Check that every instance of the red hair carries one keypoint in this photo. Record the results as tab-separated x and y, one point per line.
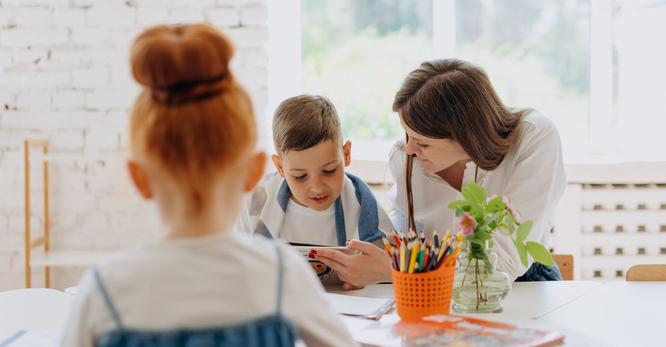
192	117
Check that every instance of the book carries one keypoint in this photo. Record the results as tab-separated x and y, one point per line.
358	306
453	330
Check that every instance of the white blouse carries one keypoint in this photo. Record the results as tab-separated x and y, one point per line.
531	175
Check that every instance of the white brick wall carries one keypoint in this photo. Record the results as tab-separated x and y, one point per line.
64	76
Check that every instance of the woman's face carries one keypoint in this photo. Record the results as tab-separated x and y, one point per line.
435	154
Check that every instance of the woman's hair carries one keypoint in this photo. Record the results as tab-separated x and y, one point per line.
191	117
453	99
304	121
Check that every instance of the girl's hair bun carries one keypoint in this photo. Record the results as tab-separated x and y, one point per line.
182	63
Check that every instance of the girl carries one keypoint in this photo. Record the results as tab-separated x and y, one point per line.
192	135
459	131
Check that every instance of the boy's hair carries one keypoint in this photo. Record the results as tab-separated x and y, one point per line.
192	117
304	121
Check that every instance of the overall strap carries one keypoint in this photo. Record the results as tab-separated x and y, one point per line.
280	276
107	298
283	195
368	222
262	230
340	228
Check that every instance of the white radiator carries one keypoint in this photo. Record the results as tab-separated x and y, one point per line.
609	227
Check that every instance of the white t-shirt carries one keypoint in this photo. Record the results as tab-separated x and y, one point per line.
531	175
305	225
218	280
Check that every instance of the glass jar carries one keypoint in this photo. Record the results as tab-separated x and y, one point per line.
479	287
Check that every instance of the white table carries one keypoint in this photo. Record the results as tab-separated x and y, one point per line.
618	314
526	304
43	312
34	308
587	313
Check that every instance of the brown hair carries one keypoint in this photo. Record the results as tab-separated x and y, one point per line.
453	99
191	116
304	121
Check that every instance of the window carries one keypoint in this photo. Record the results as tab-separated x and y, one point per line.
638	58
537	55
595	67
359	60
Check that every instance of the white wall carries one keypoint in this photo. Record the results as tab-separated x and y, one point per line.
65	77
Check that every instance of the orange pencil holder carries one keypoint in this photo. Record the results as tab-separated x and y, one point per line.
418	295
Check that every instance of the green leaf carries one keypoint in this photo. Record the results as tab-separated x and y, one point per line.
480	220
476	211
457	204
539	253
475	240
483	237
474	193
524	230
511	223
522	252
495	205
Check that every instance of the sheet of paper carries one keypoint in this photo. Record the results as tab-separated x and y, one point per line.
32	338
359	306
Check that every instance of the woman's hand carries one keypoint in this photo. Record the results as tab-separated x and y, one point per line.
371	265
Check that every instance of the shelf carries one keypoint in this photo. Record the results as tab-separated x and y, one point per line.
69	258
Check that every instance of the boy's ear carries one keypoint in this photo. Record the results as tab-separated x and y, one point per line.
140	179
256	172
346	152
277	161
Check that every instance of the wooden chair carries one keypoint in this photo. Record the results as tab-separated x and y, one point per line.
566	263
647	272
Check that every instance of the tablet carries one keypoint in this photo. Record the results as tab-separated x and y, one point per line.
306	248
326	274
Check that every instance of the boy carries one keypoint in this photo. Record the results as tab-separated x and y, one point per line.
311	199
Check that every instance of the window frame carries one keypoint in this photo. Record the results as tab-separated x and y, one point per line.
285	71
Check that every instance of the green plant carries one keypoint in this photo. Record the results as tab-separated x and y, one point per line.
480	217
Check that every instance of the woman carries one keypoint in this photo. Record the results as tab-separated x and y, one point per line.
459	131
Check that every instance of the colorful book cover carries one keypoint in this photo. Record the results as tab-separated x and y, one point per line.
453	330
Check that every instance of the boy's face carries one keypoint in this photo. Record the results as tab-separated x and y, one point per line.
315	175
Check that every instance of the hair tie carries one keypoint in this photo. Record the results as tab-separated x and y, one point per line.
191	91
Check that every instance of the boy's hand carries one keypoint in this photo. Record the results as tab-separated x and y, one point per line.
371	265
